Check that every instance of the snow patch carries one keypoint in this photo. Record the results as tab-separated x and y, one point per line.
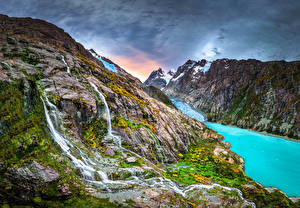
181	75
197	69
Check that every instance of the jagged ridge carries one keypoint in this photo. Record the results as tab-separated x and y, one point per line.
263	96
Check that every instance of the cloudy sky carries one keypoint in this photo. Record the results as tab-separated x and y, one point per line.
142	35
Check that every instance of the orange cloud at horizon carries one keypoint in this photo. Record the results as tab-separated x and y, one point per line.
138	65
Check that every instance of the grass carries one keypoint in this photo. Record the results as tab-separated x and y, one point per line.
200	165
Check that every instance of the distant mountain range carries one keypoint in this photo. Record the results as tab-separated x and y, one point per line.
263	96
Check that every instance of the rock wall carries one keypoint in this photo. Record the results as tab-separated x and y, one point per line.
263	96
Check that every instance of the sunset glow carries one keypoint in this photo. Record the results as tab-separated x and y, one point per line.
139	65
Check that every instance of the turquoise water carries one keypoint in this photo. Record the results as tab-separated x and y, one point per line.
271	161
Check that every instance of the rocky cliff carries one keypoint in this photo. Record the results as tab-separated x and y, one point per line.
75	134
159	78
263	96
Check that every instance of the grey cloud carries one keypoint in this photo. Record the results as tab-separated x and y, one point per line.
170	31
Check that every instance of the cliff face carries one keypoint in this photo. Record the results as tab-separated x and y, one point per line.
73	133
159	78
263	96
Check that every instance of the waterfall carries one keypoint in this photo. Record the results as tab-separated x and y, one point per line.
85	168
158	148
88	167
116	139
68	68
106	109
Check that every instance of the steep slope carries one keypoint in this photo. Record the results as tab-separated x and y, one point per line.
73	133
263	96
159	78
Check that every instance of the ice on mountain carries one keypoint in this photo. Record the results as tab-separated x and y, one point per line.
110	67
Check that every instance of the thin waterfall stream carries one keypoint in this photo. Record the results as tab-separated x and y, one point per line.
68	68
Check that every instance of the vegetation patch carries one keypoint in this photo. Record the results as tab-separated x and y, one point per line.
94	132
200	165
121	122
124	92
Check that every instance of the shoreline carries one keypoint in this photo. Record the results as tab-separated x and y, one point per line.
260	132
268	188
252	130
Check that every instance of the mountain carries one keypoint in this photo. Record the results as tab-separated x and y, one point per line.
159	78
75	133
263	96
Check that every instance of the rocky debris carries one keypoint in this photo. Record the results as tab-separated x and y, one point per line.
64	189
109	151
247	93
229	156
215	198
157	198
295	199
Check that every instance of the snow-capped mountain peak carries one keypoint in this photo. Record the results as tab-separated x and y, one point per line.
159	78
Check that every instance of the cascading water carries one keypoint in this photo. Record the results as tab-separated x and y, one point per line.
89	167
86	169
158	148
115	138
68	68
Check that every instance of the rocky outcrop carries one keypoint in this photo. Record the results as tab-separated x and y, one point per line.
21	185
40	31
263	96
159	78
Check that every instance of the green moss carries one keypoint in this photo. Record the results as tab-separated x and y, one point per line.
30	57
262	198
121	122
89	201
94	132
201	165
139	162
22	133
124	92
25	137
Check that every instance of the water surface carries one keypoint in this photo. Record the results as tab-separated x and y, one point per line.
269	160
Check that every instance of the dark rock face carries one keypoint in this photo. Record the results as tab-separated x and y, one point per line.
42	31
159	78
24	182
155	79
158	94
34	172
263	96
